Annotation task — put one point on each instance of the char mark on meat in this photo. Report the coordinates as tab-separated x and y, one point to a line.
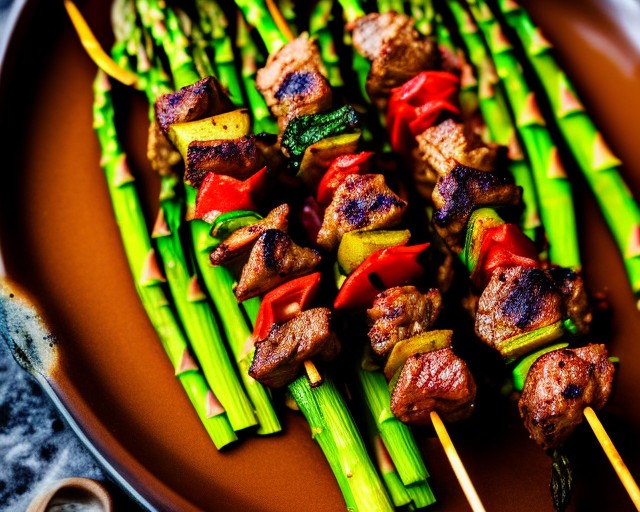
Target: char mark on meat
433	381
239	158
204	98
238	245
399	313
396	49
558	387
274	259
294	80
463	190
517	300
360	202
279	357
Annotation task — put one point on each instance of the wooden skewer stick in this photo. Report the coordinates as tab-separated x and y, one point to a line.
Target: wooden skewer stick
315	379
279	20
614	457
458	468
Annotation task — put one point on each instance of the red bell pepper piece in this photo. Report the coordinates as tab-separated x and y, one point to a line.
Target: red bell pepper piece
340	168
393	266
219	194
425	96
285	302
504	246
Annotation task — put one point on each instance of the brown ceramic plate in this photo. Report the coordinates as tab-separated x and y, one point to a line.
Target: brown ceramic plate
110	377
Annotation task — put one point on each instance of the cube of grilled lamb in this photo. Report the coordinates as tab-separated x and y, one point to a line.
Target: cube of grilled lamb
399	313
574	296
238	245
360	202
239	158
517	300
558	387
274	259
433	381
206	97
448	144
300	93
161	153
396	49
299	57
461	191
280	355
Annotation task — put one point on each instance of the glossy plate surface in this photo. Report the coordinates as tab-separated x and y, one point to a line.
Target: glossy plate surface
61	248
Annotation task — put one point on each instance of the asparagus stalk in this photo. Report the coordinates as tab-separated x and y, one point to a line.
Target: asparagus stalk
141	257
552	184
599	166
335	431
217	280
494	107
319	26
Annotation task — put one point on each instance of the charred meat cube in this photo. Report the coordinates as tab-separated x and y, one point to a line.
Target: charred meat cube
517	300
396	49
280	355
448	144
239	158
204	98
463	190
274	259
360	202
433	381
399	313
238	245
574	296
559	385
300	93
299	55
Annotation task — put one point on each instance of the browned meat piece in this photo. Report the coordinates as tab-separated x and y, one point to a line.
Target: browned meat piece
274	259
396	49
299	55
300	93
448	143
204	98
517	300
399	313
278	358
463	190
433	381
576	300
238	245
162	155
239	158
560	384
360	202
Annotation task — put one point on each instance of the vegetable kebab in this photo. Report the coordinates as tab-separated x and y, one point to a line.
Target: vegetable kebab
523	307
359	209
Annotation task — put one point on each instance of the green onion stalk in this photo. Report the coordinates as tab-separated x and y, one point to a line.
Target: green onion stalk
494	107
217	280
600	167
137	245
551	182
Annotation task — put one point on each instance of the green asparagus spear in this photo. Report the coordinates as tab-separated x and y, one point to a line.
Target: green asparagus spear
141	257
598	165
552	184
